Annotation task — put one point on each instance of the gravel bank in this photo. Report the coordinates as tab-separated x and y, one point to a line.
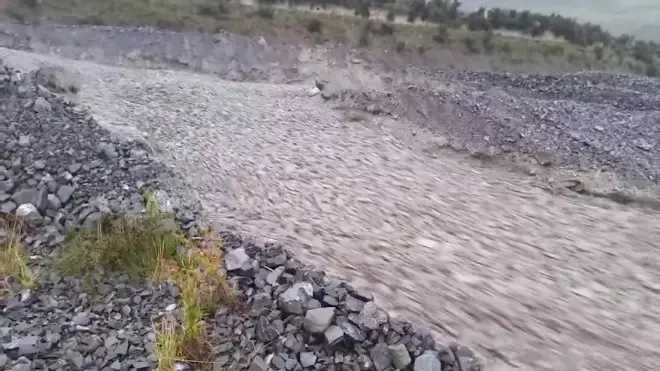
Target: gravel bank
60	170
587	121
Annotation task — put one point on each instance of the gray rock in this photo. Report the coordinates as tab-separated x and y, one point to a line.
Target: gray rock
293	300
427	362
8	207
41	105
258	364
107	151
273	276
265	331
54	203
317	320
36	197
6	186
400	356
353	304
27	211
467	359
333	335
353	332
82	318
381	357
235	259
39	165
65	193
371	317
307	359
21	366
76	358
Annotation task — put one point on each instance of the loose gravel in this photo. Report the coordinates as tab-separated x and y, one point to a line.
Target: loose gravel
59	170
529	279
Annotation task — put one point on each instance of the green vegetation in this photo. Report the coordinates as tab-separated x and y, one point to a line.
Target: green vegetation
13	261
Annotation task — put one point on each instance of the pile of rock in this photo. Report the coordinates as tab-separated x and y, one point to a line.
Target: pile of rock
298	318
59	170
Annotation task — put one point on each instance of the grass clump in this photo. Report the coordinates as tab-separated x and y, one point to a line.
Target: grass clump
168	344
13	261
128	244
151	248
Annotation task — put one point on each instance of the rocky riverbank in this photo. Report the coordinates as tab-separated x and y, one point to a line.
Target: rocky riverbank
59	170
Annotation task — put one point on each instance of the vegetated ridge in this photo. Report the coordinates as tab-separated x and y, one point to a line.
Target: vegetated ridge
507	37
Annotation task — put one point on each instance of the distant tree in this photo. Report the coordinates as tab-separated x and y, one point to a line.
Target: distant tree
362	9
498	18
643	52
487	41
599	52
438	11
442	34
417	9
472	45
477	20
453	9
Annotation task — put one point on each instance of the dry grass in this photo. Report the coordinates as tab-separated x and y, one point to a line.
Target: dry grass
13	261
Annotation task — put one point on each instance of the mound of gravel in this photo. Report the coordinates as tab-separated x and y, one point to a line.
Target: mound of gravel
58	169
586	121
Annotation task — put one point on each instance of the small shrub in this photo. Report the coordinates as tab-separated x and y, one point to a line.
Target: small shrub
506	48
362	9
552	49
13	261
421	49
314	26
391	16
573	57
364	37
386	29
471	45
599	52
32	4
442	34
363	41
411	18
215	10
487	41
400	47
265	12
